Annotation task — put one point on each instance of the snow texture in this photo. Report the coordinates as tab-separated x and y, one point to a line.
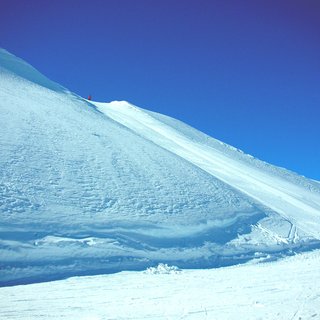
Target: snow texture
282	290
89	188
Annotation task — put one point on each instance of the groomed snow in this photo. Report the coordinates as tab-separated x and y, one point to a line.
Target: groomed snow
287	290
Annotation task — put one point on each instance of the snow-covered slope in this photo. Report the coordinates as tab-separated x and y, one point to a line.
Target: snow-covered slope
87	188
267	186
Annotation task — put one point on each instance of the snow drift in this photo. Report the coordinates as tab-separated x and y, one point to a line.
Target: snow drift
89	188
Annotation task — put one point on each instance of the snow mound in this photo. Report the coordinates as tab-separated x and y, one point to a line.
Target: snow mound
89	188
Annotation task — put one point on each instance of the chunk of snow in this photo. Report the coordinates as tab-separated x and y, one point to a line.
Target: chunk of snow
163	268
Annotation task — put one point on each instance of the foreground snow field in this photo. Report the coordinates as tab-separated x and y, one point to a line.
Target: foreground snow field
287	289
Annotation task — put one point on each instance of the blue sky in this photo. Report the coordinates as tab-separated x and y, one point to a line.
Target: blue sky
245	72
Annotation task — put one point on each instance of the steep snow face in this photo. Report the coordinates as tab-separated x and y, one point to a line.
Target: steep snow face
89	188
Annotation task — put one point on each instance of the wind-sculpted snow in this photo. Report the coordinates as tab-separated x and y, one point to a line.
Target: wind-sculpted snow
89	188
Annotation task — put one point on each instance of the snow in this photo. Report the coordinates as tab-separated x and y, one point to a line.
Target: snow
288	199
19	69
286	289
90	188
162	268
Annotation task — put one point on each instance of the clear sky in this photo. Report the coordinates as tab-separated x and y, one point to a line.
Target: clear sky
245	72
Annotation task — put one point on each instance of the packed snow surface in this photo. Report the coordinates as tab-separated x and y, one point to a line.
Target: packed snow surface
89	188
282	290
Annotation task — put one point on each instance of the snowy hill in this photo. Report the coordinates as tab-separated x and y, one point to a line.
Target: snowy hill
89	188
